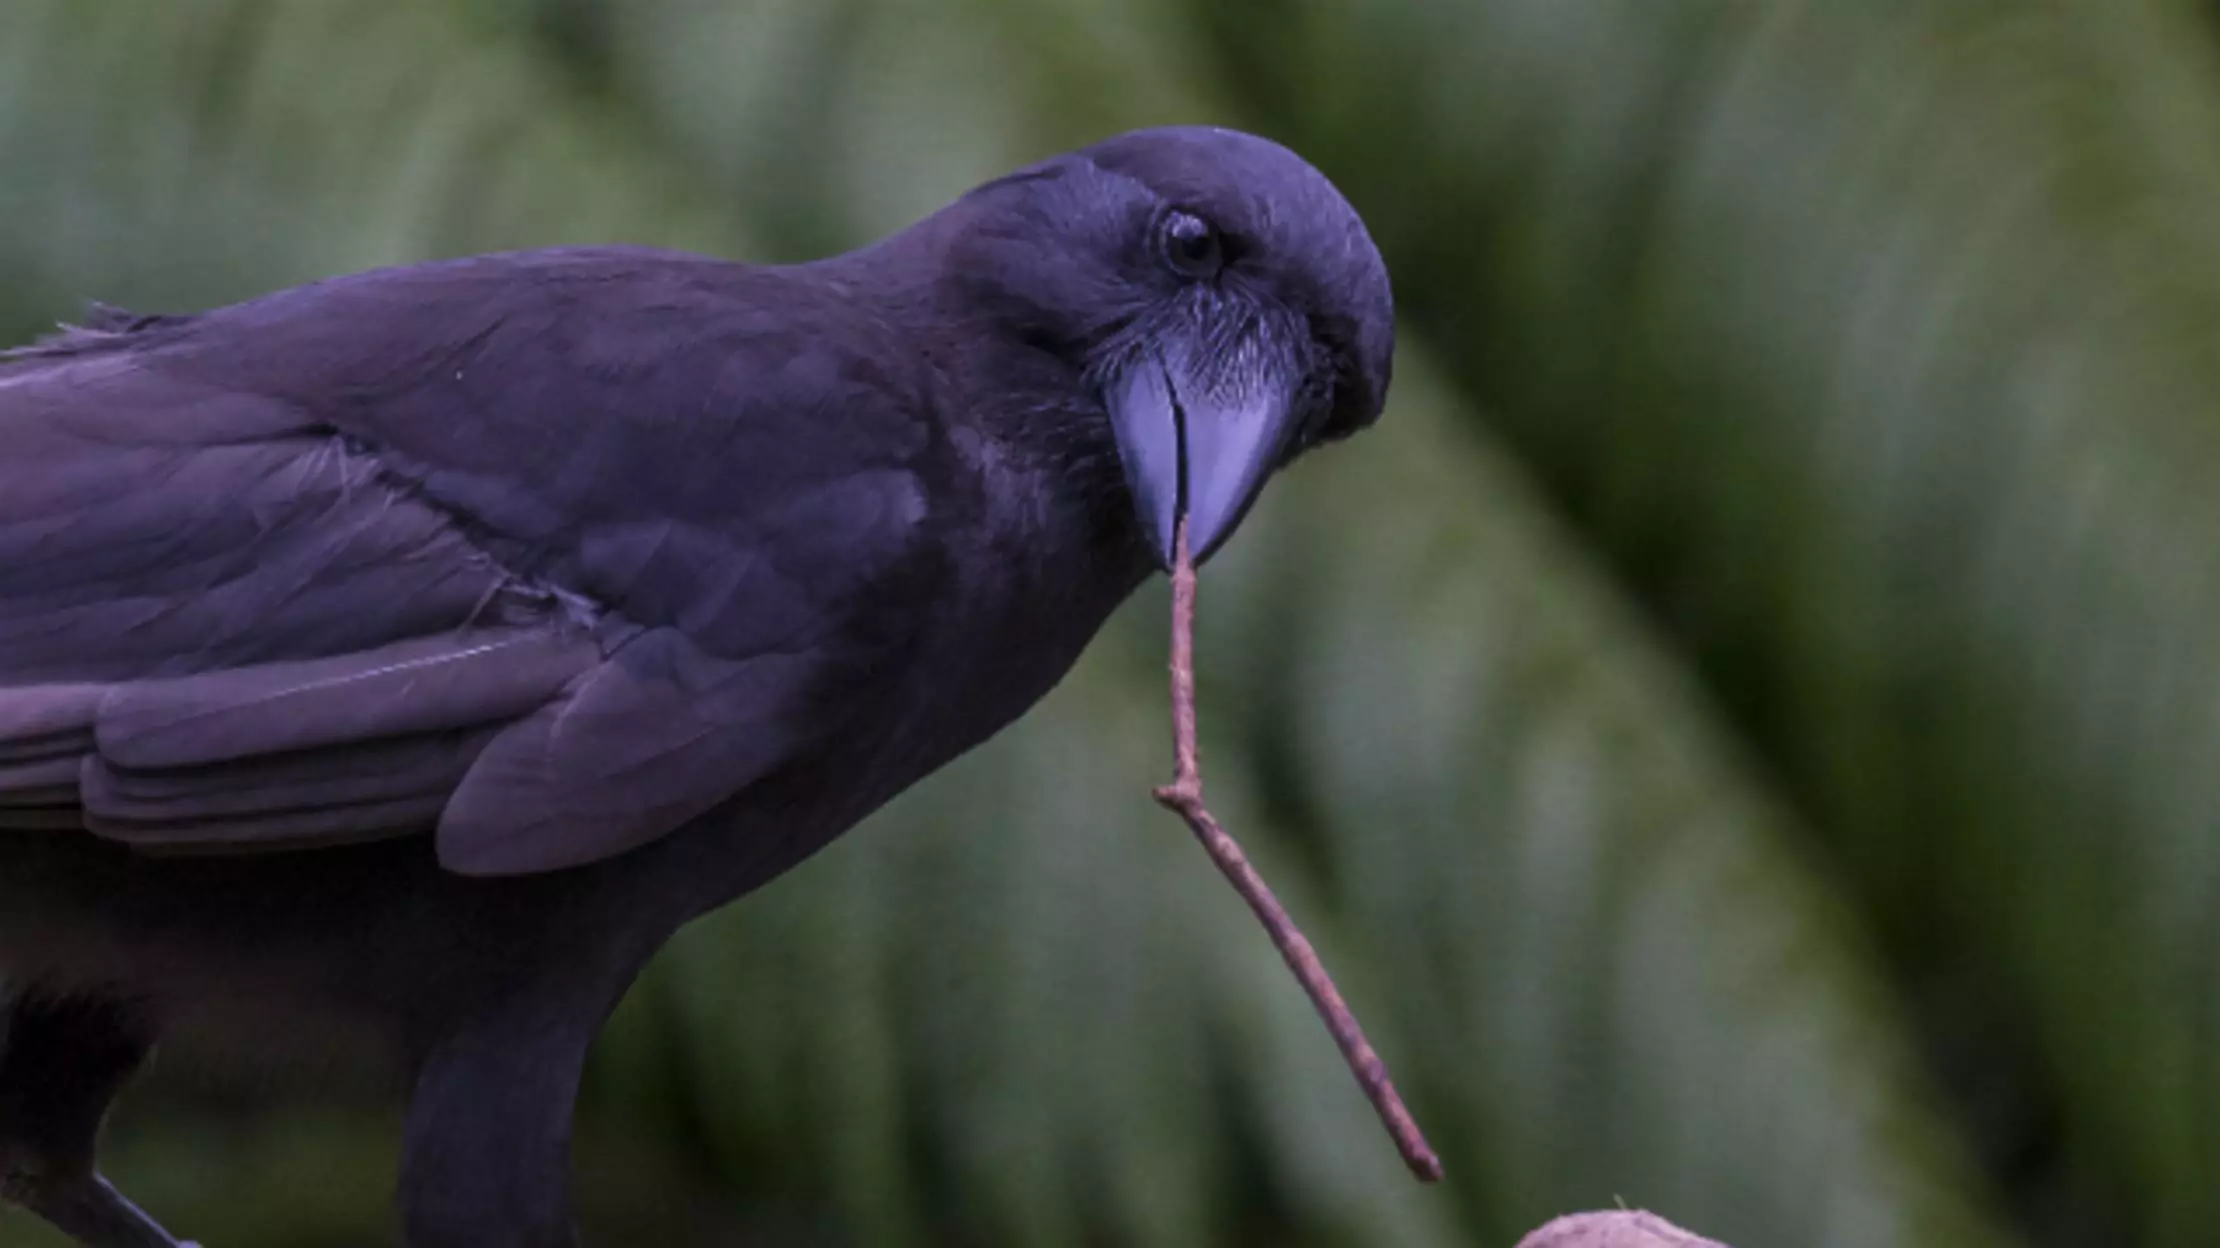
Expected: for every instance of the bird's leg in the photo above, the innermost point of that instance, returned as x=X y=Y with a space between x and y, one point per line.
x=61 y=1064
x=485 y=1160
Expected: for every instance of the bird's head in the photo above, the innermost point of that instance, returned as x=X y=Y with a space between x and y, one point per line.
x=1217 y=300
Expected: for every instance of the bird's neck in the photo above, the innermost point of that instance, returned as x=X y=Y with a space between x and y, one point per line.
x=1025 y=420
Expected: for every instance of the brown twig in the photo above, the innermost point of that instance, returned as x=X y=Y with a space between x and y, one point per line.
x=1183 y=796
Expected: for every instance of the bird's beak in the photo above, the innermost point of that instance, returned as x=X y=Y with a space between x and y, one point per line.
x=1197 y=447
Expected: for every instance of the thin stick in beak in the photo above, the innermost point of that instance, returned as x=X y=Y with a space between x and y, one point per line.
x=1183 y=796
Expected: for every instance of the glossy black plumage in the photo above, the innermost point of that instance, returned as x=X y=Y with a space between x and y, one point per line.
x=409 y=654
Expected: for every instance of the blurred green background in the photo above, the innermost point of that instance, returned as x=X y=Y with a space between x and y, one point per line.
x=1744 y=729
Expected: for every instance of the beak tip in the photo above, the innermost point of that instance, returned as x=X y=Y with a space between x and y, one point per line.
x=1162 y=536
x=1166 y=540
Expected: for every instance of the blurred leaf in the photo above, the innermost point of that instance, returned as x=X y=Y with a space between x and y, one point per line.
x=177 y=153
x=1873 y=344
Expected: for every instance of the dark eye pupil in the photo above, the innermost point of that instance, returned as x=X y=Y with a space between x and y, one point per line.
x=1192 y=244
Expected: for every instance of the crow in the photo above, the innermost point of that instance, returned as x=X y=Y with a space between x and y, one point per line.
x=399 y=660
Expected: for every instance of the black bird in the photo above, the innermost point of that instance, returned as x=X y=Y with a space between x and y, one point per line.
x=538 y=603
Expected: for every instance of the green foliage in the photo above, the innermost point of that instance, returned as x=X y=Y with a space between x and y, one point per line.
x=1871 y=344
x=1740 y=729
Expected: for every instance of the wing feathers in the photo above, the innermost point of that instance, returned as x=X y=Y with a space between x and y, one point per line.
x=285 y=830
x=423 y=685
x=34 y=796
x=259 y=569
x=45 y=746
x=377 y=771
x=42 y=713
x=277 y=755
x=43 y=775
x=659 y=734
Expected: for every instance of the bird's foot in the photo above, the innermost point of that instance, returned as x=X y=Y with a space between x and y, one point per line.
x=85 y=1207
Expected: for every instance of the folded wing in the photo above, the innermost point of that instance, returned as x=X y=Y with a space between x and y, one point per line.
x=226 y=627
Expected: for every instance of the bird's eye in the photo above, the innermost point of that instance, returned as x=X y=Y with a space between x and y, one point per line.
x=1190 y=245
